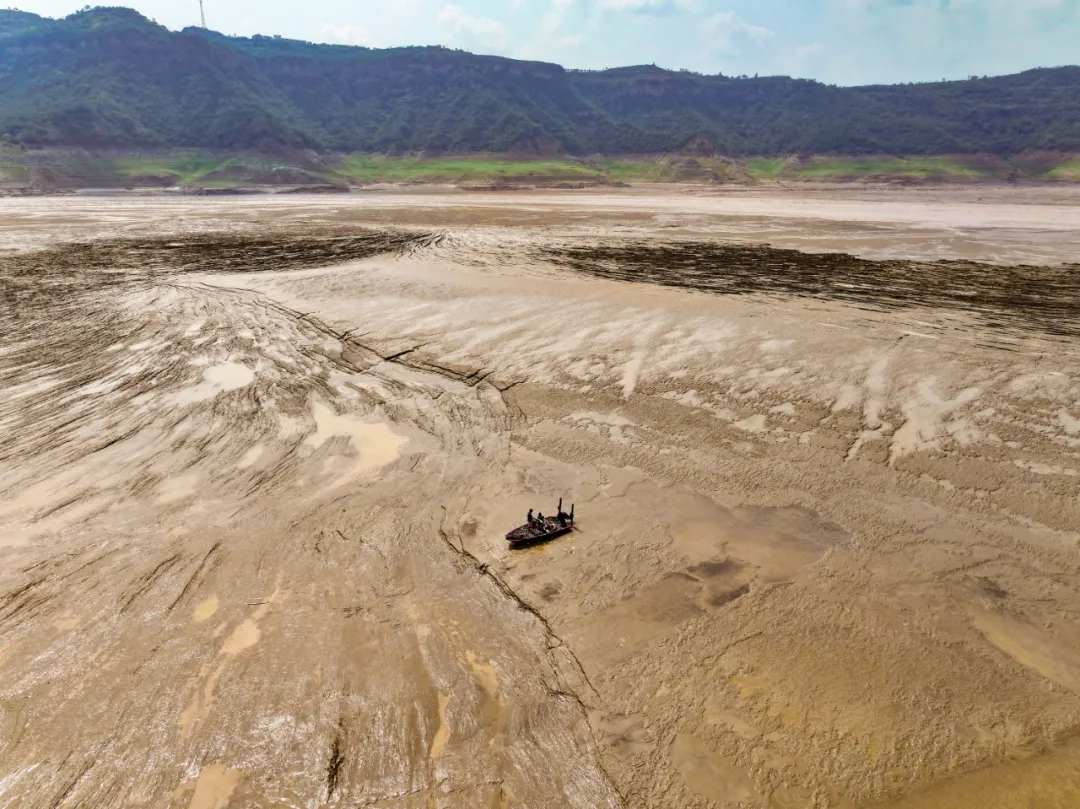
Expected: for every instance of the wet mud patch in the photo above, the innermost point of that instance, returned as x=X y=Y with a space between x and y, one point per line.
x=623 y=735
x=724 y=597
x=717 y=567
x=710 y=775
x=1037 y=648
x=1003 y=296
x=404 y=594
x=729 y=549
x=215 y=787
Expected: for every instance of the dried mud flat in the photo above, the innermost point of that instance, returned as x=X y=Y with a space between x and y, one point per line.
x=257 y=458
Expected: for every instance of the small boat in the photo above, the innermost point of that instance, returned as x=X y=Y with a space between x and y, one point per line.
x=537 y=531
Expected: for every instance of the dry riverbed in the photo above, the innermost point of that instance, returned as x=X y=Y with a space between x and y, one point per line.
x=257 y=457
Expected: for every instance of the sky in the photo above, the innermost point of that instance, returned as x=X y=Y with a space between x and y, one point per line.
x=836 y=41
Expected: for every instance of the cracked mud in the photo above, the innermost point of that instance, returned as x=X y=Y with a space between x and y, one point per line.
x=257 y=458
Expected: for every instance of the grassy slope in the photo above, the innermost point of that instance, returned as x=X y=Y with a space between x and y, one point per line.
x=939 y=168
x=923 y=167
x=207 y=169
x=378 y=168
x=1069 y=170
x=765 y=168
x=185 y=167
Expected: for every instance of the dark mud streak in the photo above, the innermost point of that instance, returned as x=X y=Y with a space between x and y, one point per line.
x=233 y=253
x=1044 y=298
x=554 y=642
x=333 y=766
x=69 y=786
x=195 y=577
x=716 y=567
x=9 y=598
x=23 y=603
x=145 y=582
x=725 y=598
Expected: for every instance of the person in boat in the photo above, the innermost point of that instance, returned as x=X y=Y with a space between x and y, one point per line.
x=529 y=519
x=540 y=520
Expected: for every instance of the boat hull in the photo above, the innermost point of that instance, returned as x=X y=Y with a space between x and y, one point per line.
x=525 y=535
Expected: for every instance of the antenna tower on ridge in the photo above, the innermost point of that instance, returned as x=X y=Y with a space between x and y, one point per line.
x=202 y=13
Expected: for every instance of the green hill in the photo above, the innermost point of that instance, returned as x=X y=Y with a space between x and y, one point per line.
x=110 y=78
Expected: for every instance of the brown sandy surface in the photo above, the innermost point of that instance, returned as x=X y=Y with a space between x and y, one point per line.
x=257 y=457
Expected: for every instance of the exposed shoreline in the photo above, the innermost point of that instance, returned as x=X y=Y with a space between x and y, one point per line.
x=258 y=455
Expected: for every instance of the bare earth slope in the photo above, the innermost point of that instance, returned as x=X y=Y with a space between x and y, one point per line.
x=257 y=458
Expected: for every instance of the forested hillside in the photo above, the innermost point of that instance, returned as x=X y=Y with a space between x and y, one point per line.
x=109 y=77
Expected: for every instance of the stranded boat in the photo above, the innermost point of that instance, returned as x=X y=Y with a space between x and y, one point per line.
x=541 y=529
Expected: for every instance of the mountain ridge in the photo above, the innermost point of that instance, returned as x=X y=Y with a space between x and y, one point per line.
x=109 y=77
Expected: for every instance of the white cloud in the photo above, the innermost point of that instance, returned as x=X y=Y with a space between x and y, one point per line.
x=724 y=30
x=486 y=30
x=549 y=40
x=348 y=35
x=927 y=40
x=651 y=5
x=945 y=6
x=809 y=51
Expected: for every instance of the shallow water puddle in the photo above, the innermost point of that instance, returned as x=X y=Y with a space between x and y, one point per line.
x=494 y=710
x=224 y=376
x=1028 y=646
x=177 y=488
x=442 y=735
x=245 y=635
x=205 y=610
x=376 y=443
x=251 y=457
x=485 y=673
x=709 y=774
x=215 y=787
